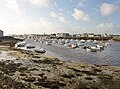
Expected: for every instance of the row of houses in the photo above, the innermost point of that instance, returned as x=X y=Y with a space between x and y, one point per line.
x=60 y=35
x=67 y=35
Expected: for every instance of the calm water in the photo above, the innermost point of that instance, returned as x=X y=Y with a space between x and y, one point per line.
x=109 y=56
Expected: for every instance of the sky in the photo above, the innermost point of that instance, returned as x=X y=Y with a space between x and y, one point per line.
x=54 y=16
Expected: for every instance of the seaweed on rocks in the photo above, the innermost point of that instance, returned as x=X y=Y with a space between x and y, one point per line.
x=50 y=84
x=7 y=82
x=9 y=68
x=48 y=61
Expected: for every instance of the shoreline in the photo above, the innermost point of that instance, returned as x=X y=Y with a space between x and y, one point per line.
x=31 y=70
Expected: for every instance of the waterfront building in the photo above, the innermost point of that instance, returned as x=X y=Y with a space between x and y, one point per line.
x=84 y=35
x=53 y=35
x=64 y=35
x=91 y=35
x=39 y=36
x=98 y=35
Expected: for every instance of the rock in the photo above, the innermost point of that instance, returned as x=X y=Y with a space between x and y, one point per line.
x=22 y=69
x=48 y=61
x=50 y=84
x=7 y=82
x=68 y=75
x=45 y=70
x=41 y=75
x=88 y=78
x=36 y=56
x=9 y=68
x=22 y=74
x=29 y=79
x=33 y=69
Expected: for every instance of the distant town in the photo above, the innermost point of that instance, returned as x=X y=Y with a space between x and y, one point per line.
x=65 y=36
x=84 y=36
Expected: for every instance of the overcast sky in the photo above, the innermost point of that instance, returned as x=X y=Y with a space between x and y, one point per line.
x=52 y=16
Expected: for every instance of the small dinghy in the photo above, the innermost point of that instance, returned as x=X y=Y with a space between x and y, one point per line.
x=21 y=44
x=41 y=50
x=29 y=46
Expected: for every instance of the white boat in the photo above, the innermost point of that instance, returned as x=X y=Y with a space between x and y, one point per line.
x=91 y=49
x=48 y=43
x=94 y=49
x=88 y=49
x=67 y=41
x=54 y=41
x=41 y=50
x=62 y=42
x=89 y=40
x=83 y=47
x=21 y=44
x=29 y=46
x=67 y=45
x=100 y=46
x=41 y=42
x=83 y=41
x=74 y=46
x=95 y=41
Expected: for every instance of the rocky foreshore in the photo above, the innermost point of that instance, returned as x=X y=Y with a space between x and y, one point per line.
x=31 y=70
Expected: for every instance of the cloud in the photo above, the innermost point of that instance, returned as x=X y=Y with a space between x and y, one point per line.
x=40 y=3
x=107 y=9
x=78 y=29
x=12 y=4
x=53 y=14
x=105 y=26
x=29 y=26
x=80 y=15
x=101 y=28
x=59 y=16
x=82 y=3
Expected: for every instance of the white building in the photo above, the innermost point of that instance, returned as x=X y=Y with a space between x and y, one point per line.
x=63 y=35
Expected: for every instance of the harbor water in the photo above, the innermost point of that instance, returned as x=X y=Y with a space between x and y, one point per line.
x=109 y=56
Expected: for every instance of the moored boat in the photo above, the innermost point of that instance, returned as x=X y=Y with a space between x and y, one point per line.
x=29 y=46
x=100 y=46
x=74 y=46
x=95 y=49
x=21 y=44
x=41 y=50
x=48 y=43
